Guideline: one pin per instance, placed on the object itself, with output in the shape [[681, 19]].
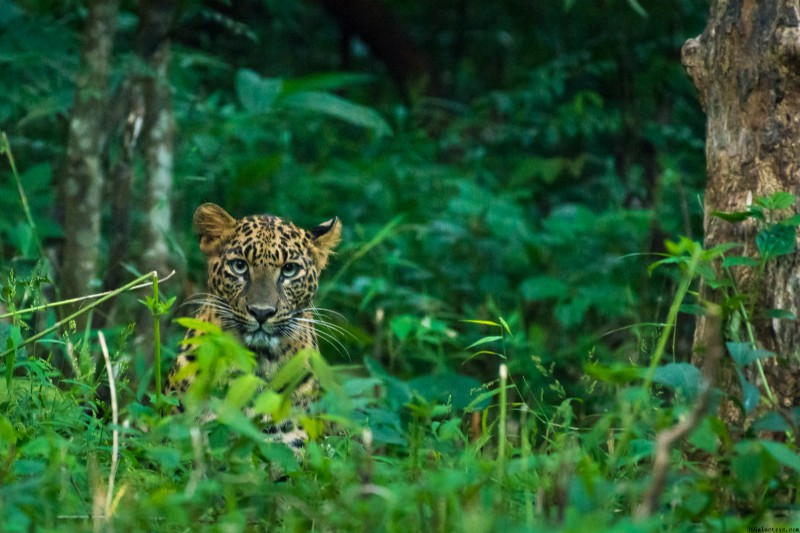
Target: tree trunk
[[154, 46], [81, 187], [745, 67]]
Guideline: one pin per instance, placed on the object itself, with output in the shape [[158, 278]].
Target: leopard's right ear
[[213, 225]]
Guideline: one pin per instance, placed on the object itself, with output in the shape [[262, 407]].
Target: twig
[[667, 438], [115, 421]]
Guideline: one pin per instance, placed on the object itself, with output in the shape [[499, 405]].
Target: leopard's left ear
[[325, 237]]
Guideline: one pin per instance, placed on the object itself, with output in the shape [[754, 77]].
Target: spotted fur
[[263, 274]]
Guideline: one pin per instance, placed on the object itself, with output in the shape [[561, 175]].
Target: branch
[[667, 438]]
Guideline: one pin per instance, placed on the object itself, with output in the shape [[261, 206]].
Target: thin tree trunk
[[158, 162], [81, 186], [745, 67]]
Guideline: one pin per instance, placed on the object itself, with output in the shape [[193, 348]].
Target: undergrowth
[[84, 446], [440, 452]]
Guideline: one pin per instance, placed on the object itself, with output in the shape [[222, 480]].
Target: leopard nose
[[261, 313]]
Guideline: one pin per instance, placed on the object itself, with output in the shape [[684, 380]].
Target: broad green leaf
[[682, 377], [292, 372], [403, 325], [446, 387], [337, 107], [776, 240], [782, 453], [7, 432], [743, 354], [257, 94], [793, 220], [314, 426], [242, 389], [774, 421], [268, 402], [199, 325], [324, 373], [778, 200], [235, 420], [750, 396], [704, 437]]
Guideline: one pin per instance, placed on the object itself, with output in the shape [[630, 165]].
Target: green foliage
[[556, 156]]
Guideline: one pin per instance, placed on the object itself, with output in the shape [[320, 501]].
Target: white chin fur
[[260, 340]]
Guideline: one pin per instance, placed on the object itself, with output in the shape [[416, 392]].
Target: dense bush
[[506, 218]]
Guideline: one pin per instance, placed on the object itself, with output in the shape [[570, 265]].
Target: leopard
[[263, 275]]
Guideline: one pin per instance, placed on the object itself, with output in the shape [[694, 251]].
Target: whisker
[[327, 325], [330, 339]]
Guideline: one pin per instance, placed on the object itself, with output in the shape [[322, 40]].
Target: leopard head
[[263, 273]]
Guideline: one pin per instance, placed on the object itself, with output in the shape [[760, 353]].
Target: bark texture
[[745, 67], [81, 187], [154, 46]]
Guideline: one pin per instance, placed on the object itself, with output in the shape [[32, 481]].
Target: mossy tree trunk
[[746, 68]]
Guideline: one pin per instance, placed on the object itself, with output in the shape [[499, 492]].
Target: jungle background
[[506, 173]]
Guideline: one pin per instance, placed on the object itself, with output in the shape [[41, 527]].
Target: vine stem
[[78, 299], [672, 316], [5, 146], [107, 296], [157, 337]]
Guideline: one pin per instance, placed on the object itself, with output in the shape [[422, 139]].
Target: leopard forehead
[[269, 241]]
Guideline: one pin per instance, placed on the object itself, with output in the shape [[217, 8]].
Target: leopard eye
[[290, 270], [239, 266]]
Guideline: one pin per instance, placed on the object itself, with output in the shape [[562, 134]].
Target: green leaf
[[737, 260], [682, 377], [324, 374], [505, 325], [292, 372], [750, 395], [447, 387], [242, 389], [403, 325], [793, 220], [543, 288], [782, 453], [235, 420], [780, 314], [257, 94], [7, 431], [637, 7], [484, 322], [616, 373], [743, 354], [337, 107], [484, 340], [268, 403], [199, 325], [776, 240], [737, 216], [778, 200], [326, 81]]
